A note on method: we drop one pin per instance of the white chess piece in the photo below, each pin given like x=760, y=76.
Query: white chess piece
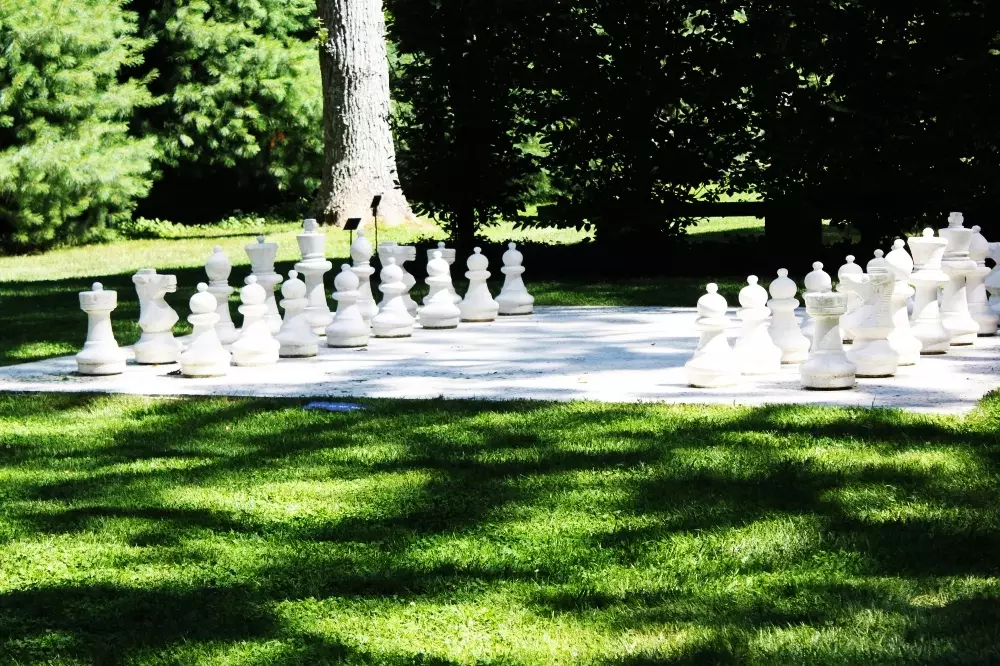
x=853, y=300
x=157, y=344
x=958, y=265
x=262, y=257
x=816, y=276
x=439, y=309
x=100, y=354
x=297, y=337
x=714, y=363
x=992, y=281
x=784, y=328
x=871, y=352
x=393, y=320
x=386, y=251
x=514, y=298
x=205, y=356
x=927, y=278
x=756, y=352
x=218, y=270
x=478, y=304
x=979, y=306
x=255, y=345
x=906, y=344
x=312, y=267
x=348, y=328
x=827, y=367
x=403, y=254
x=361, y=254
x=448, y=254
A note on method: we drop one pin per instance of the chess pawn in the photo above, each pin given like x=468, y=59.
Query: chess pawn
x=448, y=254
x=871, y=352
x=218, y=270
x=714, y=363
x=979, y=306
x=205, y=356
x=992, y=281
x=100, y=354
x=157, y=344
x=817, y=278
x=958, y=265
x=927, y=278
x=387, y=251
x=255, y=346
x=439, y=309
x=514, y=298
x=361, y=255
x=313, y=266
x=784, y=328
x=262, y=257
x=853, y=300
x=297, y=337
x=478, y=304
x=757, y=353
x=900, y=264
x=393, y=320
x=349, y=328
x=827, y=367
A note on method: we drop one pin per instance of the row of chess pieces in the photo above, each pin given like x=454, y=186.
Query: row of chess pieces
x=265, y=336
x=896, y=309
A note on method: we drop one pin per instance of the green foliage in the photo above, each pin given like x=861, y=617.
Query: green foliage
x=241, y=119
x=68, y=168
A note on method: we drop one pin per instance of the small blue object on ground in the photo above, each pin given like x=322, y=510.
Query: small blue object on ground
x=334, y=406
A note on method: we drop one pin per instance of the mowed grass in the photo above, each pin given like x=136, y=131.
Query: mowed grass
x=221, y=531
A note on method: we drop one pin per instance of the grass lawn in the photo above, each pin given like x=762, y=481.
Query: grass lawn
x=210, y=531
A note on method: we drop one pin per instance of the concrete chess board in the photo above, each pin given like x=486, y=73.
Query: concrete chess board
x=606, y=354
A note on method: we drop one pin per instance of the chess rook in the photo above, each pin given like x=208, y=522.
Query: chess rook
x=100, y=354
x=312, y=267
x=827, y=367
x=262, y=264
x=218, y=268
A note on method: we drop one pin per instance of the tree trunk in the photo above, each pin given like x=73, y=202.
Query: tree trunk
x=359, y=153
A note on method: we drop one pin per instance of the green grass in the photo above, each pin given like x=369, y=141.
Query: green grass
x=222, y=531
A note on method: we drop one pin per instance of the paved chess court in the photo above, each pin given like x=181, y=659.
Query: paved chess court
x=607, y=354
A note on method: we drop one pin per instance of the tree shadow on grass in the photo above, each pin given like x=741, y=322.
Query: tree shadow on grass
x=480, y=465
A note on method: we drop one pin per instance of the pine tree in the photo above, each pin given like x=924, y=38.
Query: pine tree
x=241, y=118
x=68, y=167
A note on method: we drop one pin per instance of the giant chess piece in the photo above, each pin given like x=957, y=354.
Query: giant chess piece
x=853, y=300
x=906, y=344
x=157, y=344
x=827, y=367
x=478, y=304
x=448, y=254
x=387, y=250
x=218, y=270
x=979, y=306
x=406, y=253
x=313, y=266
x=756, y=352
x=871, y=352
x=815, y=277
x=992, y=281
x=349, y=328
x=784, y=328
x=361, y=255
x=255, y=345
x=514, y=298
x=927, y=278
x=393, y=320
x=100, y=354
x=439, y=309
x=205, y=355
x=262, y=257
x=958, y=265
x=297, y=337
x=714, y=363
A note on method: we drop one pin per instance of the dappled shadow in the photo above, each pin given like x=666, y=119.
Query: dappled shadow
x=639, y=489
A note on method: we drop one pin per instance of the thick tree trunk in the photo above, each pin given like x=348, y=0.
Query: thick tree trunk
x=359, y=153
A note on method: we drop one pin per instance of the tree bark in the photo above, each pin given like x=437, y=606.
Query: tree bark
x=360, y=159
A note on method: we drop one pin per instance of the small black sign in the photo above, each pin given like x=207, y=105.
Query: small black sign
x=352, y=223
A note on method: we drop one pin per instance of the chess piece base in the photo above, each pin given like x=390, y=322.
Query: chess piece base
x=439, y=324
x=402, y=332
x=204, y=370
x=298, y=351
x=711, y=378
x=828, y=372
x=162, y=351
x=348, y=343
x=100, y=368
x=517, y=310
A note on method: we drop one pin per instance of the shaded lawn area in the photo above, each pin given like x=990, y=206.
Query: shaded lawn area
x=231, y=531
x=43, y=319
